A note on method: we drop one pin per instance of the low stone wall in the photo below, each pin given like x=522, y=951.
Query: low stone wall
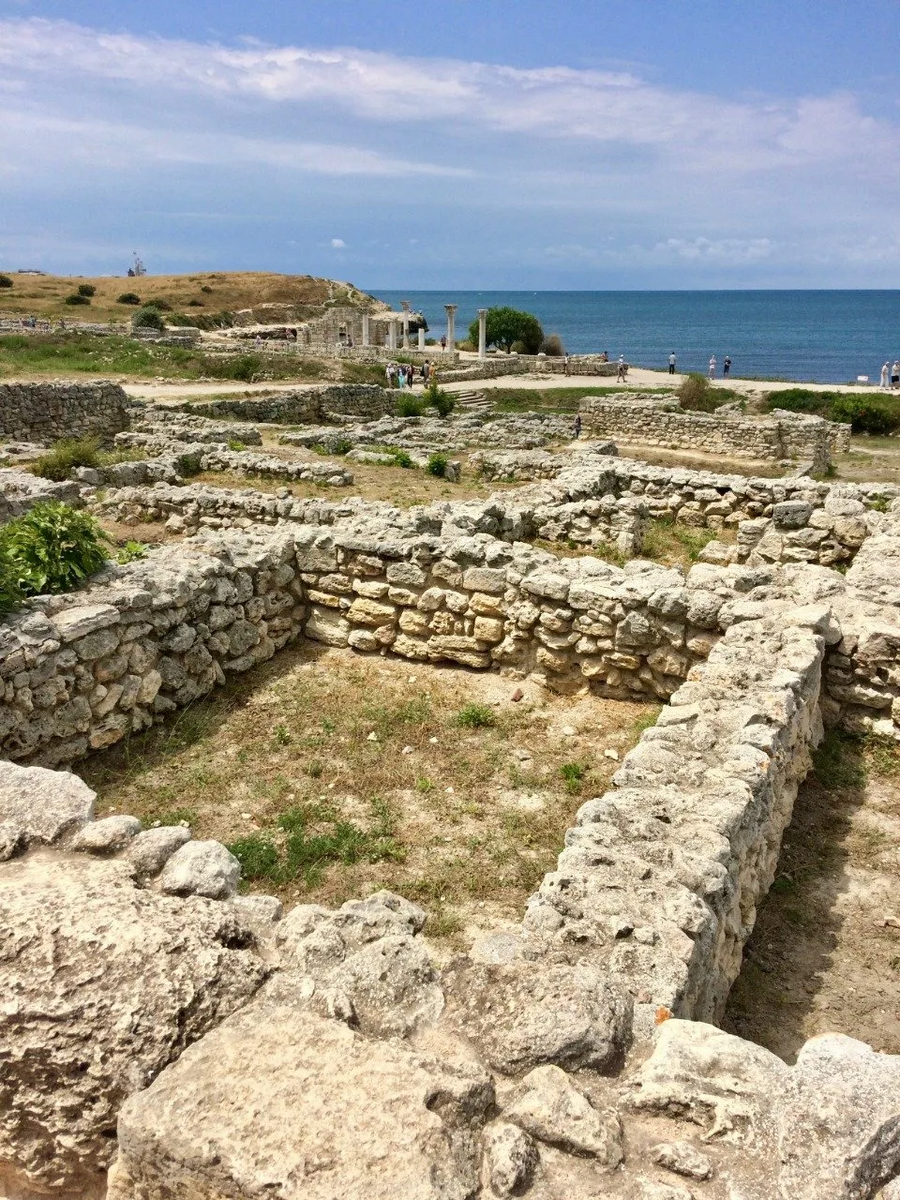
x=46, y=412
x=305, y=406
x=789, y=436
x=20, y=491
x=456, y=432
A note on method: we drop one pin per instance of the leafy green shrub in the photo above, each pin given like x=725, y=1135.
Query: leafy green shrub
x=129, y=298
x=86, y=289
x=409, y=406
x=507, y=325
x=58, y=462
x=865, y=416
x=75, y=300
x=802, y=400
x=236, y=445
x=470, y=347
x=402, y=459
x=149, y=317
x=131, y=552
x=245, y=367
x=573, y=775
x=436, y=398
x=476, y=716
x=52, y=548
x=437, y=465
x=5, y=281
x=552, y=346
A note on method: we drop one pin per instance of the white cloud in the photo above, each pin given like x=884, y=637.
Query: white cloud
x=338, y=244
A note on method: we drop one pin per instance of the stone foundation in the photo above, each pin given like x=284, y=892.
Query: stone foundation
x=46, y=412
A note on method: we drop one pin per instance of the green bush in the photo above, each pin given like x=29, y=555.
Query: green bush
x=86, y=289
x=802, y=400
x=129, y=298
x=5, y=281
x=75, y=299
x=693, y=393
x=149, y=317
x=162, y=305
x=131, y=552
x=245, y=367
x=402, y=459
x=52, y=548
x=437, y=465
x=58, y=462
x=409, y=406
x=865, y=416
x=507, y=325
x=438, y=399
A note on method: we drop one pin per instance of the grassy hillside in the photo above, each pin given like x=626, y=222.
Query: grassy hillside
x=292, y=297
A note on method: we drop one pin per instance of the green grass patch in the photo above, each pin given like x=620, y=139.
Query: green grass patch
x=838, y=763
x=667, y=540
x=476, y=716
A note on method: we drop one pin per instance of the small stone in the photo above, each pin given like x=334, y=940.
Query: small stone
x=151, y=850
x=433, y=741
x=683, y=1158
x=510, y=1157
x=373, y=737
x=407, y=750
x=610, y=753
x=108, y=836
x=517, y=695
x=568, y=731
x=551, y=1108
x=202, y=869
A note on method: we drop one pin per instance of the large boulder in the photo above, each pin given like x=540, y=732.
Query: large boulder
x=102, y=985
x=276, y=1102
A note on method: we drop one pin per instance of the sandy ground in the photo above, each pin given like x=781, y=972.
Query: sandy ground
x=638, y=377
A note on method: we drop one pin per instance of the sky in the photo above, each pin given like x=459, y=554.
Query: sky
x=500, y=144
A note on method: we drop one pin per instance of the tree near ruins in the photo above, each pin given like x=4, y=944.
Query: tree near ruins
x=507, y=325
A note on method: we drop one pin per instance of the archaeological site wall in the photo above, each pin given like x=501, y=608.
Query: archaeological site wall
x=572, y=1055
x=787, y=436
x=303, y=406
x=45, y=412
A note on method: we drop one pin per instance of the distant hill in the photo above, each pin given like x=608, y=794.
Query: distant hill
x=268, y=297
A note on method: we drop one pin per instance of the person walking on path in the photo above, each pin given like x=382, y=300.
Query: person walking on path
x=443, y=342
x=672, y=361
x=578, y=425
x=895, y=376
x=712, y=367
x=621, y=369
x=885, y=375
x=726, y=365
x=389, y=375
x=567, y=364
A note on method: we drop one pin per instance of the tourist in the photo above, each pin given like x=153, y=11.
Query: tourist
x=425, y=370
x=712, y=367
x=401, y=377
x=578, y=425
x=432, y=373
x=389, y=375
x=885, y=375
x=443, y=342
x=604, y=357
x=567, y=364
x=257, y=342
x=672, y=363
x=410, y=375
x=726, y=364
x=621, y=368
x=895, y=376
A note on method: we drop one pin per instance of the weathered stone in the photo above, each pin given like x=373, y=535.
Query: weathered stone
x=107, y=836
x=43, y=804
x=510, y=1157
x=151, y=850
x=551, y=1108
x=201, y=869
x=683, y=1158
x=104, y=984
x=370, y=1120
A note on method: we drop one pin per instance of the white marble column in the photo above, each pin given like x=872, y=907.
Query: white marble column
x=366, y=337
x=421, y=337
x=450, y=310
x=404, y=304
x=392, y=333
x=482, y=333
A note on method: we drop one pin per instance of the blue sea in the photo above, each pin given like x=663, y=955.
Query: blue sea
x=818, y=336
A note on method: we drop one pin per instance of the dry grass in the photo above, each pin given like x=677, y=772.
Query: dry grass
x=370, y=762
x=44, y=295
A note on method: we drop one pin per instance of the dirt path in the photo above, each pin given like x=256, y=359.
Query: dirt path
x=825, y=953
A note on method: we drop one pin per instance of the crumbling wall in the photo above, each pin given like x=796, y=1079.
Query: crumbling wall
x=787, y=436
x=304, y=406
x=46, y=412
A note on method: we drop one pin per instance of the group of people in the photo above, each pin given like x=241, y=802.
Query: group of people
x=713, y=365
x=890, y=374
x=403, y=375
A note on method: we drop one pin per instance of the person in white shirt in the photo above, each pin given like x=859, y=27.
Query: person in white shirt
x=672, y=363
x=885, y=374
x=712, y=367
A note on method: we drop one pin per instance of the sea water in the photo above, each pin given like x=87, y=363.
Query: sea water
x=820, y=336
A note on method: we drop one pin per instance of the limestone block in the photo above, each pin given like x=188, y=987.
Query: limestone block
x=43, y=804
x=149, y=851
x=201, y=869
x=370, y=1120
x=111, y=982
x=370, y=612
x=552, y=1109
x=326, y=626
x=523, y=1014
x=510, y=1158
x=107, y=836
x=487, y=629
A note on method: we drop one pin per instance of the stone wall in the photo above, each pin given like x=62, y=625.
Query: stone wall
x=788, y=436
x=305, y=406
x=46, y=412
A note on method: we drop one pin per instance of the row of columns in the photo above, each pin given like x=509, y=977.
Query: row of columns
x=450, y=310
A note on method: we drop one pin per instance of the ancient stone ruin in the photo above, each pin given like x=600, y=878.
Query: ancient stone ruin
x=164, y=1036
